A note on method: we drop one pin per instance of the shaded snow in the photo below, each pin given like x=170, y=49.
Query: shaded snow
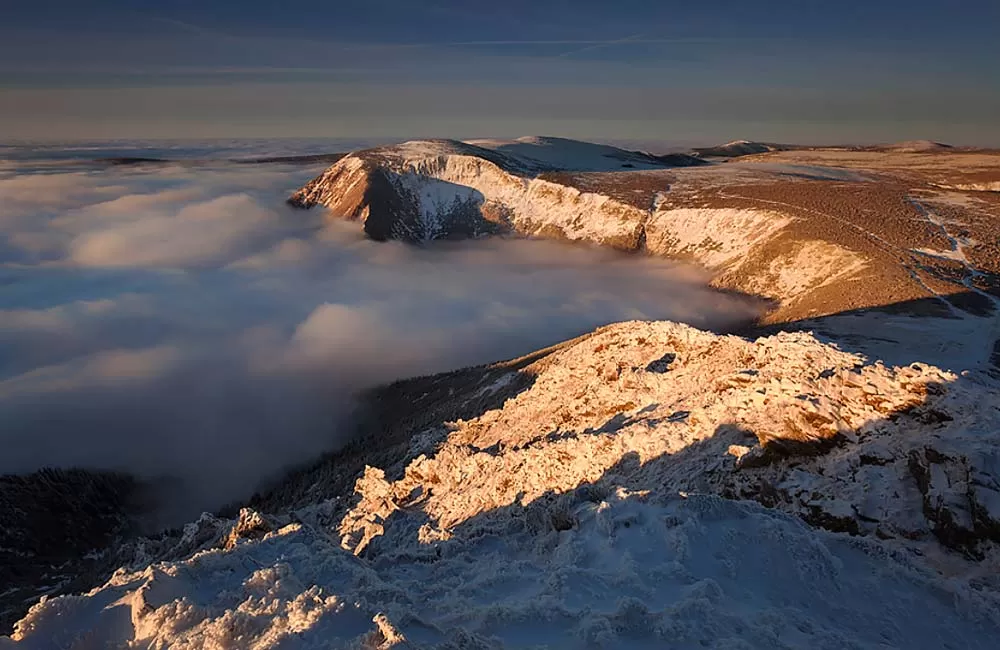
x=813, y=172
x=963, y=343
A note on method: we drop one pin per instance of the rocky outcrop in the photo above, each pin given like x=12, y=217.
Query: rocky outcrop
x=665, y=409
x=961, y=493
x=395, y=199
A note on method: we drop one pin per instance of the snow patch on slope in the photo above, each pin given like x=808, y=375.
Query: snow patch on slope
x=738, y=148
x=713, y=237
x=918, y=146
x=805, y=266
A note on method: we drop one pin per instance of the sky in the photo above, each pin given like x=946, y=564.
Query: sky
x=630, y=70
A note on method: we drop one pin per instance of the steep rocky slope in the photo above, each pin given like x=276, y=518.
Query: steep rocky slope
x=574, y=508
x=427, y=190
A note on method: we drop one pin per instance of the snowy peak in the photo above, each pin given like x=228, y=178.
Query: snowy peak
x=528, y=155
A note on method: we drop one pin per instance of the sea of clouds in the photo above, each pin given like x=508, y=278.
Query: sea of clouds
x=181, y=321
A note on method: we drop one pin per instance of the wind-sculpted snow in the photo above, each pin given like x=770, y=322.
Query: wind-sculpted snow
x=583, y=512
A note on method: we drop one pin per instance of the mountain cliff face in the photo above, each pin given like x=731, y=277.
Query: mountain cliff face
x=425, y=190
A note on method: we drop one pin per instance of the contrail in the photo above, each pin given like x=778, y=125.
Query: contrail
x=601, y=44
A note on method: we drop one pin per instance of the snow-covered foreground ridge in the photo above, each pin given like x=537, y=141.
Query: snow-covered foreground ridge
x=586, y=512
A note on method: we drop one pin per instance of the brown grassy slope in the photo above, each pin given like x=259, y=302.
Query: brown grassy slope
x=882, y=218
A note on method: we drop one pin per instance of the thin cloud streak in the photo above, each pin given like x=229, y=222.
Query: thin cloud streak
x=601, y=45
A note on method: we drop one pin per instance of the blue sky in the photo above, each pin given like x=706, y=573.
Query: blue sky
x=682, y=72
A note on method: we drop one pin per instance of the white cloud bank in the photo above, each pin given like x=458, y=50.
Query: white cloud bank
x=183, y=322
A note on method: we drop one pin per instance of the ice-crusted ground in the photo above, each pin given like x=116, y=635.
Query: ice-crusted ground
x=586, y=512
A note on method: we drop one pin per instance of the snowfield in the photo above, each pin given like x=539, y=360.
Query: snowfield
x=587, y=512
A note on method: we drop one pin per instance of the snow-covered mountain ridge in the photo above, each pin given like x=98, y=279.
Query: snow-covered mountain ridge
x=424, y=190
x=579, y=512
x=804, y=235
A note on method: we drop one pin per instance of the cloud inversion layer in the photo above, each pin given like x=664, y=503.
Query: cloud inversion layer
x=183, y=322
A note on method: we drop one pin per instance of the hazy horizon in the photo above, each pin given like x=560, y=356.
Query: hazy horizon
x=848, y=73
